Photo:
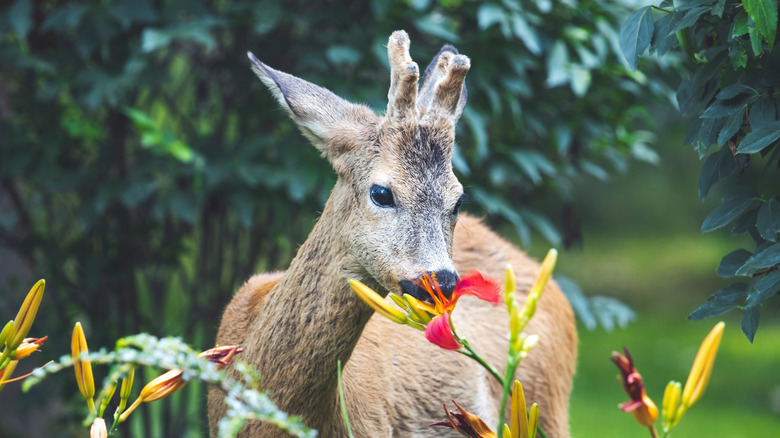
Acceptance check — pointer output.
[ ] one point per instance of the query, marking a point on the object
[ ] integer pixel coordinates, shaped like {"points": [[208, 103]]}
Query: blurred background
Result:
{"points": [[145, 174]]}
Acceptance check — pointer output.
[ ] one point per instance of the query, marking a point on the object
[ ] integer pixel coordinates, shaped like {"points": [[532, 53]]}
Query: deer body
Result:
{"points": [[392, 213]]}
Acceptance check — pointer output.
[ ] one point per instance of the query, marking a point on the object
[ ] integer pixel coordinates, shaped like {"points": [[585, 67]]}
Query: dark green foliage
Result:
{"points": [[145, 172], [730, 92]]}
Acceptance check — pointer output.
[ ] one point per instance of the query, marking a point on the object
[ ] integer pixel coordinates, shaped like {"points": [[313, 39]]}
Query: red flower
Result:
{"points": [[439, 331], [466, 423], [640, 405]]}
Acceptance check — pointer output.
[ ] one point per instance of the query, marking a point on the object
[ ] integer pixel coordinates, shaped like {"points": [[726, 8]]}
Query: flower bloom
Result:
{"points": [[640, 405], [439, 330], [466, 423], [28, 347], [173, 380]]}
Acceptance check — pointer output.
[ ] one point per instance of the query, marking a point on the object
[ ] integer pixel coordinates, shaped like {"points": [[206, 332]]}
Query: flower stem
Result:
{"points": [[472, 354], [653, 432]]}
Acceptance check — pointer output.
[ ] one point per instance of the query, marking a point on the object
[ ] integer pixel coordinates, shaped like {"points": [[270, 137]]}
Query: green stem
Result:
{"points": [[658, 8], [653, 432], [473, 354], [343, 405], [511, 366]]}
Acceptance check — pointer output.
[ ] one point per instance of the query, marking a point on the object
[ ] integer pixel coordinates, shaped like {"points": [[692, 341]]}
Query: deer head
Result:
{"points": [[396, 200]]}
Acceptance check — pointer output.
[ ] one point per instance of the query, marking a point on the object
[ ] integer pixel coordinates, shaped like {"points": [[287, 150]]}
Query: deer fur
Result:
{"points": [[294, 326]]}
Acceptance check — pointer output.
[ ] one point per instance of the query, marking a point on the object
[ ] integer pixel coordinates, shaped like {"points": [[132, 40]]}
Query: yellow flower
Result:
{"points": [[28, 347], [82, 368], [378, 303]]}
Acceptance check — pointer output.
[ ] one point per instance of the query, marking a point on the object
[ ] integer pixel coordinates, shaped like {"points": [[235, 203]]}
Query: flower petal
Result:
{"points": [[476, 284], [439, 331]]}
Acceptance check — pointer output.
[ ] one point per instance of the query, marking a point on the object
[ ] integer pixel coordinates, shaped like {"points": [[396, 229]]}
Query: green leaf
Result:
{"points": [[664, 36], [761, 260], [764, 16], [763, 289], [557, 65], [734, 90], [760, 138], [732, 125], [755, 41], [721, 301], [489, 14], [527, 34], [749, 322], [340, 54], [725, 213], [732, 261], [479, 132], [690, 17], [762, 112], [20, 17], [437, 25], [740, 25], [768, 220], [636, 33], [745, 223]]}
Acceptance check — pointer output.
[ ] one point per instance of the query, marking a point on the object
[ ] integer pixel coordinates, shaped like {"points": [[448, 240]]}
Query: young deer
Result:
{"points": [[392, 215]]}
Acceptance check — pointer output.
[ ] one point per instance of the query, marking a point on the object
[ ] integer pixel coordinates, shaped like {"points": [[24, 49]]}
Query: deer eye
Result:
{"points": [[456, 210], [382, 196]]}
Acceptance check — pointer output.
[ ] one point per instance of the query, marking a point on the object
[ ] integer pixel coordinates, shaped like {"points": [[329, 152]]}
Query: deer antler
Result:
{"points": [[402, 97], [451, 71]]}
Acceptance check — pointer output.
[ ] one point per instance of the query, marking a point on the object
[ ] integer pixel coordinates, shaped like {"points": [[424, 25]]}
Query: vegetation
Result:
{"points": [[729, 93]]}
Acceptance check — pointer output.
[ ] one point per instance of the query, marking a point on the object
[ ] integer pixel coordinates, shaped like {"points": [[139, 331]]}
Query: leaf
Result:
{"points": [[732, 125], [723, 108], [340, 54], [764, 16], [663, 34], [749, 322], [745, 222], [721, 301], [733, 90], [489, 14], [20, 17], [763, 259], [732, 261], [740, 25], [725, 213], [557, 64], [763, 288], [436, 24], [579, 303], [768, 220], [762, 112], [636, 33], [760, 138], [479, 132], [690, 18], [611, 311], [527, 34]]}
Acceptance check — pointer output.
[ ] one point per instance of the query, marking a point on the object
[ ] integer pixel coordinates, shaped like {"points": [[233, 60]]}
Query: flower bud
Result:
{"points": [[378, 303], [24, 319], [98, 429], [82, 368], [670, 405], [28, 347]]}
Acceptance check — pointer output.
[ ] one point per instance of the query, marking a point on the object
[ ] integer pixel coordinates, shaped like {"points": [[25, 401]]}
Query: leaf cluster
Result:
{"points": [[730, 94]]}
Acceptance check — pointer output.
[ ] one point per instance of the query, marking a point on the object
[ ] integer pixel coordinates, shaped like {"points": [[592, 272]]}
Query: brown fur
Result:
{"points": [[295, 326]]}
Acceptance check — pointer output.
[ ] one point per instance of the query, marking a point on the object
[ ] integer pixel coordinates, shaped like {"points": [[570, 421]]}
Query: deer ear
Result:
{"points": [[320, 115], [436, 72]]}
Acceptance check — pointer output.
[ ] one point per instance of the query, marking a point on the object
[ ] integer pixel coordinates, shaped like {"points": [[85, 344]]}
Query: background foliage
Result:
{"points": [[729, 94], [145, 173]]}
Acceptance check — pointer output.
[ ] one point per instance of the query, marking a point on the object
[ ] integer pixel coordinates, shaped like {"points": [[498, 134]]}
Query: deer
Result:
{"points": [[392, 215]]}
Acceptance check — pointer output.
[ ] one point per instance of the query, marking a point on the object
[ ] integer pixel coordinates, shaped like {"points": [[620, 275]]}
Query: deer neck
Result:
{"points": [[310, 320]]}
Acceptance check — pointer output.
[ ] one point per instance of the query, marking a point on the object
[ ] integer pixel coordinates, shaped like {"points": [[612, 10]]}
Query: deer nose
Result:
{"points": [[445, 279]]}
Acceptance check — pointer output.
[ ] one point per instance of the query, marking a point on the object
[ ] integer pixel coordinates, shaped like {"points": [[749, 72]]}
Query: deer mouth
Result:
{"points": [[443, 281]]}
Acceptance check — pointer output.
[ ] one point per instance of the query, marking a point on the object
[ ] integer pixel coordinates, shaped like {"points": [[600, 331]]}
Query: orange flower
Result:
{"points": [[640, 405], [466, 423], [28, 347], [439, 330], [172, 381]]}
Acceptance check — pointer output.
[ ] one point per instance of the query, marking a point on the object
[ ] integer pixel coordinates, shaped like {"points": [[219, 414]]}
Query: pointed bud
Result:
{"points": [[110, 390], [378, 303], [125, 389], [533, 420], [519, 416], [82, 368], [670, 405], [701, 370], [5, 373], [507, 433], [98, 429], [24, 319], [6, 333], [509, 286], [417, 309]]}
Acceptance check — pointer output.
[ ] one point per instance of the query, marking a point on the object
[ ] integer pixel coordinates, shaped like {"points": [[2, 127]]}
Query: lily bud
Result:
{"points": [[24, 319], [110, 390], [378, 303], [670, 404], [519, 416], [6, 333], [509, 286], [415, 306], [98, 429], [82, 368], [124, 390], [701, 370], [533, 420], [5, 373]]}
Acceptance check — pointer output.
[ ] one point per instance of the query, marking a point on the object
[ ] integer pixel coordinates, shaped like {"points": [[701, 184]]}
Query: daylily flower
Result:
{"points": [[466, 423], [701, 370], [82, 368], [640, 405], [28, 347], [173, 380], [439, 330]]}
